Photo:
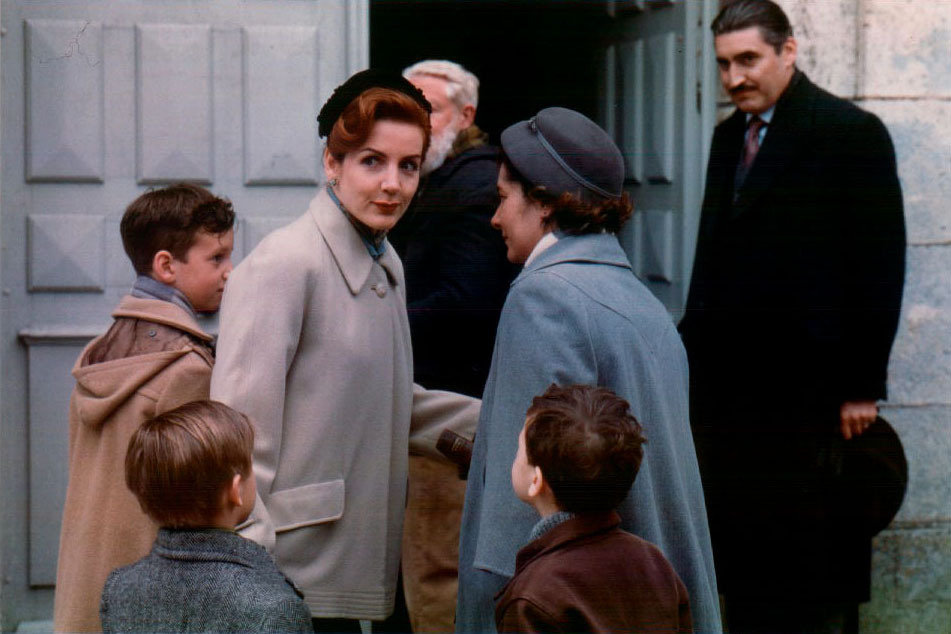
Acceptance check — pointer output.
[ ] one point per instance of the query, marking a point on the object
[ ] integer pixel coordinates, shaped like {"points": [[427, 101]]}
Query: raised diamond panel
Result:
{"points": [[631, 60], [607, 106], [64, 100], [174, 103], [280, 92], [256, 228], [660, 74], [657, 245], [66, 252]]}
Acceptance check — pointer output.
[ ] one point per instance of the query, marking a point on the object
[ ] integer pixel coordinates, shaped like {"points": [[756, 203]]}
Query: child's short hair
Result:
{"points": [[179, 463], [167, 219], [587, 444]]}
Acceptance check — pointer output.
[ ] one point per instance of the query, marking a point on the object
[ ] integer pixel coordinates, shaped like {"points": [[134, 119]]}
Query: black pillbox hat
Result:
{"points": [[356, 84]]}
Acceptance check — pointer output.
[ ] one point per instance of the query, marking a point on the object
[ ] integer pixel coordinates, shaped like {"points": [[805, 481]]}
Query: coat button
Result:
{"points": [[379, 289], [152, 333]]}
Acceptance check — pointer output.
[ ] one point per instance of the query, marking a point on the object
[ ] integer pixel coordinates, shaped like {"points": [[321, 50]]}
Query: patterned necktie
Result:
{"points": [[752, 141]]}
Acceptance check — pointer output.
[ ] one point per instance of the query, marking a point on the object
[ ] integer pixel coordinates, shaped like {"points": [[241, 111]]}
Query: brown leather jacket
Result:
{"points": [[587, 575]]}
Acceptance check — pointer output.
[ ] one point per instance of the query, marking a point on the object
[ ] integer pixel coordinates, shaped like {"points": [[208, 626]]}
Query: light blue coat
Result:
{"points": [[577, 314]]}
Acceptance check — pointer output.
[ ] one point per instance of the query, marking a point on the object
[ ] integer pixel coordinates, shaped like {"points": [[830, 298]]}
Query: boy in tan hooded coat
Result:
{"points": [[154, 357]]}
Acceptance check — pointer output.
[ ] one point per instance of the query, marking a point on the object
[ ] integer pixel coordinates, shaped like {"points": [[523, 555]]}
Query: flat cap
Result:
{"points": [[565, 151]]}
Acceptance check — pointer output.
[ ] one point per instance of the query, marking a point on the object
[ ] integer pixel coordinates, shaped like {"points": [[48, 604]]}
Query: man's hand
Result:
{"points": [[856, 416]]}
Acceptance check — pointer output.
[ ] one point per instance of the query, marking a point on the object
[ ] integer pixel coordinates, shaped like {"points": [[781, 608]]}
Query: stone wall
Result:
{"points": [[893, 57]]}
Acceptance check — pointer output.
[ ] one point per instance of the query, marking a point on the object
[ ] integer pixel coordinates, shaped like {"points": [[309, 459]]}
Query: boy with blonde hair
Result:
{"points": [[190, 469], [154, 357]]}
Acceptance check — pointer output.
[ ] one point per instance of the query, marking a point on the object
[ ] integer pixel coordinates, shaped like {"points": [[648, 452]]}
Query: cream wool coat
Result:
{"points": [[103, 525], [315, 348]]}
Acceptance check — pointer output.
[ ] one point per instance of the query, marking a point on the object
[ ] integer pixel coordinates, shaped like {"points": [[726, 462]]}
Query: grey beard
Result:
{"points": [[439, 148]]}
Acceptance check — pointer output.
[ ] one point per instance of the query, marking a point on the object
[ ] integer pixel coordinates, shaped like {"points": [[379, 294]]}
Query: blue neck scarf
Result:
{"points": [[375, 241], [147, 288], [545, 524]]}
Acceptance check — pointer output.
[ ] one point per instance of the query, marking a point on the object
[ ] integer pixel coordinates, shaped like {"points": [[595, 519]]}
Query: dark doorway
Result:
{"points": [[528, 54]]}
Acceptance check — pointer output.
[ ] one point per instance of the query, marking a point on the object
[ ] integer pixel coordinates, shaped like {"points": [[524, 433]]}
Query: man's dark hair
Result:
{"points": [[766, 15], [587, 444], [168, 219]]}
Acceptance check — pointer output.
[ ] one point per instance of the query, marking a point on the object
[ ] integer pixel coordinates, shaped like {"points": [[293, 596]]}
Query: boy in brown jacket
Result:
{"points": [[578, 454], [154, 357]]}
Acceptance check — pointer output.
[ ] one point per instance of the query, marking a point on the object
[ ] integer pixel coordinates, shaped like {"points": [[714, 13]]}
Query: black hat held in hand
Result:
{"points": [[356, 84]]}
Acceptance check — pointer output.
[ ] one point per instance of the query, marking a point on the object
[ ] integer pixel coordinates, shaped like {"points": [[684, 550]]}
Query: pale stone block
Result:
{"points": [[920, 131], [826, 35], [906, 48], [911, 582], [925, 434], [912, 617], [920, 365], [911, 565]]}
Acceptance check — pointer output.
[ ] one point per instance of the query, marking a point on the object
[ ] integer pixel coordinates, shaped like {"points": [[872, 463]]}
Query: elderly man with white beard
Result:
{"points": [[457, 277]]}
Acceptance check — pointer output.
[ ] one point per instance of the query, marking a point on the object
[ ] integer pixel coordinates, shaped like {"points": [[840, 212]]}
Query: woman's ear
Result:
{"points": [[543, 212], [162, 269], [331, 165]]}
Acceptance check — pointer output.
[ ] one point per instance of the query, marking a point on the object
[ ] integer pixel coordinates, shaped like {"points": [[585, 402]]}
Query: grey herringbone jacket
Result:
{"points": [[202, 580]]}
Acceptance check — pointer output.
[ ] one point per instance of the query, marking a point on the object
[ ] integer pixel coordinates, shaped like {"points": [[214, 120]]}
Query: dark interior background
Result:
{"points": [[527, 54]]}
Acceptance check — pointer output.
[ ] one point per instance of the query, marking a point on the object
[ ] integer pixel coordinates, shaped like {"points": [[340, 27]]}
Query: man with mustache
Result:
{"points": [[457, 277], [792, 309]]}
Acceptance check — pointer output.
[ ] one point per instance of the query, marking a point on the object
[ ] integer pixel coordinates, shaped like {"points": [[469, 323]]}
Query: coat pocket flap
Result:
{"points": [[307, 505]]}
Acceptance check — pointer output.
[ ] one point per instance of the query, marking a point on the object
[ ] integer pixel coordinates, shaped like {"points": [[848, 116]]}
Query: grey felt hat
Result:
{"points": [[565, 151]]}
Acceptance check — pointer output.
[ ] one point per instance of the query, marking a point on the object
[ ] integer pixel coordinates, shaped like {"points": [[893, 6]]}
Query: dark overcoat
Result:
{"points": [[792, 310], [456, 271]]}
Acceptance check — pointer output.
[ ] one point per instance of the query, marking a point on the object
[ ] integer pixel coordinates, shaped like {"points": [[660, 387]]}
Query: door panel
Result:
{"points": [[652, 106], [101, 101], [173, 83], [279, 66], [64, 94]]}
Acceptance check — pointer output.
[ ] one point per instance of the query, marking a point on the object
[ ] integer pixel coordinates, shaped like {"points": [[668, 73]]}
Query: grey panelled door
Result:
{"points": [[655, 105], [101, 100]]}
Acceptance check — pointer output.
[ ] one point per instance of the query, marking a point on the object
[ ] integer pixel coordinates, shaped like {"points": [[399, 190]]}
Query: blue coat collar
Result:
{"points": [[592, 248]]}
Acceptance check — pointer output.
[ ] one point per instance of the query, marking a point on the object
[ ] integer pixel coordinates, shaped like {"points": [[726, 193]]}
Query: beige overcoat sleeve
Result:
{"points": [[436, 410]]}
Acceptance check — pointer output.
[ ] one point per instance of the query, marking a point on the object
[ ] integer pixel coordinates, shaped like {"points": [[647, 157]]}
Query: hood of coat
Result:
{"points": [[101, 388]]}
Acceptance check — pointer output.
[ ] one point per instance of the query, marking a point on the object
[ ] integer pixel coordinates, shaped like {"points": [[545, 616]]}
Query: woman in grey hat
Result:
{"points": [[577, 314]]}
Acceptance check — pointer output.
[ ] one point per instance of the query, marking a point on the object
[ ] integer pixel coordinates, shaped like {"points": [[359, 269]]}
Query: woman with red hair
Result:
{"points": [[315, 348]]}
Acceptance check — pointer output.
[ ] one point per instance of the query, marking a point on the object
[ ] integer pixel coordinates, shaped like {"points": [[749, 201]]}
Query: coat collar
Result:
{"points": [[160, 312], [347, 247], [594, 248], [784, 140], [568, 531], [208, 544]]}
